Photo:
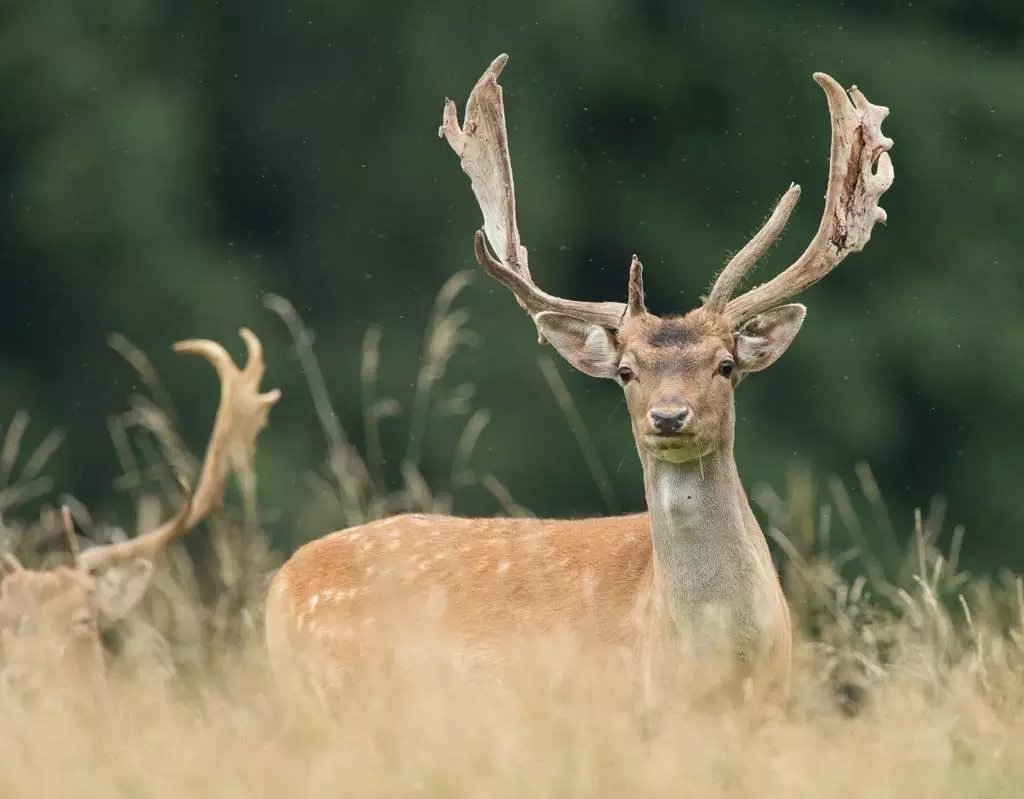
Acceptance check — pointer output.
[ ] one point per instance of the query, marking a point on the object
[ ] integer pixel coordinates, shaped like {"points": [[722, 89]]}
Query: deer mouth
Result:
{"points": [[675, 438], [674, 447], [671, 441]]}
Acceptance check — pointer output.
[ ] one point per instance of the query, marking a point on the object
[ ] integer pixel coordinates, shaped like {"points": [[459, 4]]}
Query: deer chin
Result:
{"points": [[675, 449]]}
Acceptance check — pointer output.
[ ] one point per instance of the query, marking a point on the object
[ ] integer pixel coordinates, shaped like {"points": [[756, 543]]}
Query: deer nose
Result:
{"points": [[669, 419]]}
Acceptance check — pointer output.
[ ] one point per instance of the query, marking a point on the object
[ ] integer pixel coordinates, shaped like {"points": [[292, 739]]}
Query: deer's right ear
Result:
{"points": [[591, 348]]}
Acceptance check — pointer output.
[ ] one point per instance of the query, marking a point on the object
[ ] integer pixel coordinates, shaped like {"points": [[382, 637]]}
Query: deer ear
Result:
{"points": [[590, 348], [120, 587], [761, 341]]}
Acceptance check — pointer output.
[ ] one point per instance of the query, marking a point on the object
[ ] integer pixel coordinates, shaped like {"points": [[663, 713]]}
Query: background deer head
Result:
{"points": [[50, 621]]}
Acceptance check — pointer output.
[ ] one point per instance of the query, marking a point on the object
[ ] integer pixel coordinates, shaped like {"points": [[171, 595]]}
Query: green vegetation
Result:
{"points": [[165, 167]]}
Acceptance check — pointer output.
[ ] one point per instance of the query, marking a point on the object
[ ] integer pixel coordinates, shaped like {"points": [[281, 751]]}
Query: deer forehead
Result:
{"points": [[676, 344]]}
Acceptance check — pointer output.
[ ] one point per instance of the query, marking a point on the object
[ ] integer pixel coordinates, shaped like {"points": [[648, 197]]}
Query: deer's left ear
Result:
{"points": [[761, 341]]}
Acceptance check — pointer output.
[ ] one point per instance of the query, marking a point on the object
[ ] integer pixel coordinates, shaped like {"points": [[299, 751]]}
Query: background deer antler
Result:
{"points": [[241, 415]]}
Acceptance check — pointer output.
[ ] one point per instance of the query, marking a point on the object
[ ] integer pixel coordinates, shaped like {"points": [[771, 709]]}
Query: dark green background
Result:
{"points": [[164, 164]]}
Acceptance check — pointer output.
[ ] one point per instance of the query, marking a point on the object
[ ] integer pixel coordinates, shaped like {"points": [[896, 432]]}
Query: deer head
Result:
{"points": [[50, 621], [679, 373]]}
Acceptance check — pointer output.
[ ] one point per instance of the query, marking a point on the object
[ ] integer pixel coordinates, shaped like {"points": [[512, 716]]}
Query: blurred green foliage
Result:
{"points": [[164, 164]]}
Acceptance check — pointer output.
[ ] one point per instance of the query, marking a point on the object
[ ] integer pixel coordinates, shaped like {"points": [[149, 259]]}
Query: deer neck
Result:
{"points": [[702, 531]]}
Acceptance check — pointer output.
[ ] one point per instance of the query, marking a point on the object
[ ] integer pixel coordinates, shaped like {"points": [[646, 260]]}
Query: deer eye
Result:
{"points": [[726, 368], [625, 374]]}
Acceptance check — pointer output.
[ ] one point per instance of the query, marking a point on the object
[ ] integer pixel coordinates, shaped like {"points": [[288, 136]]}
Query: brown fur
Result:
{"points": [[669, 375], [342, 599]]}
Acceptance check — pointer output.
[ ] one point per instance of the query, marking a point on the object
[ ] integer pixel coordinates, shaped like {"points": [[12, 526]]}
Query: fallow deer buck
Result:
{"points": [[50, 621], [692, 579]]}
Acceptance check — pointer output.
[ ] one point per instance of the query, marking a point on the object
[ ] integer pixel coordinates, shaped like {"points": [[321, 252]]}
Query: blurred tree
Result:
{"points": [[165, 165]]}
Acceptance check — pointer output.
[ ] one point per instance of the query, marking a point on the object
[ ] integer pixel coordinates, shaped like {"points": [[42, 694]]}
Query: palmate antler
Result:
{"points": [[482, 145], [860, 171]]}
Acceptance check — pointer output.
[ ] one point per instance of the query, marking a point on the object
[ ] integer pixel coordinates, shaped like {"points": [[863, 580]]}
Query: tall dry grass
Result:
{"points": [[908, 670]]}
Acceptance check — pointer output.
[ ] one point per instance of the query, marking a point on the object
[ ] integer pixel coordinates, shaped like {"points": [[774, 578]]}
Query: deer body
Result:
{"points": [[697, 558], [328, 603], [603, 578], [691, 584]]}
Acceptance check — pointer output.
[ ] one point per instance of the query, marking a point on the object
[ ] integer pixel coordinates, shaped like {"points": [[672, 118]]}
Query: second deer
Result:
{"points": [[689, 582], [50, 621]]}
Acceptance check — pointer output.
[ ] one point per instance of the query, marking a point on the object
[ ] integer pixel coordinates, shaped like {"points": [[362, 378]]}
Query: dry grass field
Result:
{"points": [[909, 678], [939, 721]]}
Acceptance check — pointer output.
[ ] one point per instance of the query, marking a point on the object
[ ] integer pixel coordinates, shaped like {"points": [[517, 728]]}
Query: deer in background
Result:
{"points": [[50, 621], [691, 580]]}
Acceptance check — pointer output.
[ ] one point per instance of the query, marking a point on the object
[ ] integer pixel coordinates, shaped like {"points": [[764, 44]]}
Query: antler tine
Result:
{"points": [[860, 171], [635, 305], [482, 146], [241, 414], [745, 260], [254, 366], [68, 524]]}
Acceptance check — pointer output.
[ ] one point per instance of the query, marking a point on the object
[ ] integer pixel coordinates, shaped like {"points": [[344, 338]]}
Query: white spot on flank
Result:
{"points": [[313, 602], [589, 584], [503, 566]]}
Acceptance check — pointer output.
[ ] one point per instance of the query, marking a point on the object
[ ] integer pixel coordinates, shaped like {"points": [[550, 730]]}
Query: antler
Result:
{"points": [[68, 524], [860, 171], [241, 415], [482, 145]]}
